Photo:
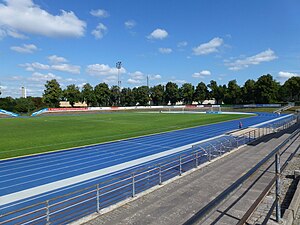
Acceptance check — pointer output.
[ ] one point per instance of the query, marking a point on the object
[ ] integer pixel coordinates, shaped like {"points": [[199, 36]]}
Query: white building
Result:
{"points": [[24, 94]]}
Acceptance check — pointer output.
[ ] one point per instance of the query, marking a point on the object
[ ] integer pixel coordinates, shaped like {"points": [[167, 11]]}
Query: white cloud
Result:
{"points": [[179, 81], [137, 75], [54, 59], [3, 88], [35, 65], [209, 47], [155, 77], [99, 13], [182, 44], [165, 50], [287, 75], [66, 68], [202, 74], [133, 81], [129, 24], [265, 56], [103, 70], [59, 67], [158, 34], [99, 31], [40, 77], [15, 34], [24, 48], [111, 80], [27, 17]]}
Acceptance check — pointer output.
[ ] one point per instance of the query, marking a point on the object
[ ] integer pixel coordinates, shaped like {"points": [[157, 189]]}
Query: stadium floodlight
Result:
{"points": [[119, 66]]}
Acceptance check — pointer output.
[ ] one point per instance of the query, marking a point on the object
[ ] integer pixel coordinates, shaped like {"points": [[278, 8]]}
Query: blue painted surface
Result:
{"points": [[8, 113], [28, 172]]}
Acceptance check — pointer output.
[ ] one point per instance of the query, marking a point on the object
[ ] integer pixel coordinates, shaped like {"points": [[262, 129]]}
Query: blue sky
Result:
{"points": [[181, 41]]}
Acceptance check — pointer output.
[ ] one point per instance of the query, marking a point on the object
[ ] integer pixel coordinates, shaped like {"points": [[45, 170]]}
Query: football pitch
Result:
{"points": [[25, 136]]}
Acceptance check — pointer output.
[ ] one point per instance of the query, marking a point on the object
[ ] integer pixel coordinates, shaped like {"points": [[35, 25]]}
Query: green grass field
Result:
{"points": [[24, 136]]}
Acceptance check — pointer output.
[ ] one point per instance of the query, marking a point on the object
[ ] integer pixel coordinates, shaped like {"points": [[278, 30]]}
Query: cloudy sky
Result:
{"points": [[180, 41]]}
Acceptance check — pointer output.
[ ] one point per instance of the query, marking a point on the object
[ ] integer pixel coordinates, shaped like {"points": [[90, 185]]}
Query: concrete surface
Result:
{"points": [[176, 202]]}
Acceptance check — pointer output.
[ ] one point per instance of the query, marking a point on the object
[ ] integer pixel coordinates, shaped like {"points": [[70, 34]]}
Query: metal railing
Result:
{"points": [[77, 204], [204, 213], [275, 181]]}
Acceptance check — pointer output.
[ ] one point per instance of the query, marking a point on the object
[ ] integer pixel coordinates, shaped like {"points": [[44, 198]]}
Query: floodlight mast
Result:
{"points": [[119, 66]]}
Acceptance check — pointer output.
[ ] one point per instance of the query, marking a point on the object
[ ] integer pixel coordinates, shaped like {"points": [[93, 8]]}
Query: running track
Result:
{"points": [[30, 172]]}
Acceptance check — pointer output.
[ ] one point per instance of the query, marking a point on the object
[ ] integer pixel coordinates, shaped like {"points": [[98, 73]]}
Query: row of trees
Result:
{"points": [[265, 90]]}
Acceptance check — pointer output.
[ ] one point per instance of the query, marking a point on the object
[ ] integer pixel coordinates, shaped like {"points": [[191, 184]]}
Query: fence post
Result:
{"points": [[196, 155], [160, 180], [133, 185], [249, 137], [180, 166], [98, 198], [277, 169], [47, 213]]}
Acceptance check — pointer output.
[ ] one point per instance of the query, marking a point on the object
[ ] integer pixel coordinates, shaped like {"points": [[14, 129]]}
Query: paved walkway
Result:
{"points": [[176, 202]]}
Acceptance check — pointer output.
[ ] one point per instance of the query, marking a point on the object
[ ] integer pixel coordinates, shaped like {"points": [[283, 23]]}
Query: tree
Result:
{"points": [[141, 95], [115, 95], [157, 94], [201, 93], [291, 89], [248, 91], [187, 93], [171, 93], [72, 94], [24, 105], [266, 89], [52, 93], [102, 94], [217, 92], [233, 93], [88, 94], [127, 98], [8, 104]]}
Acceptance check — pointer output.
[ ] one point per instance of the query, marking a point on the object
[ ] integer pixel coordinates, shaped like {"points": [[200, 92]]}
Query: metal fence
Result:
{"points": [[77, 204]]}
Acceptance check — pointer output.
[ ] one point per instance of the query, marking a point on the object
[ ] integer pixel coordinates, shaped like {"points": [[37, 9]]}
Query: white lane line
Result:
{"points": [[17, 196], [102, 149], [270, 121]]}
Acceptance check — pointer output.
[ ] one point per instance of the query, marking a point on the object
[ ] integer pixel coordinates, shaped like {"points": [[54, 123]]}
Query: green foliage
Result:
{"points": [[217, 92], [24, 105], [52, 93], [115, 95], [127, 98], [187, 93], [88, 95], [171, 93], [72, 94], [291, 89], [102, 94], [8, 104], [248, 92], [233, 93], [157, 94], [266, 90], [141, 95], [201, 93]]}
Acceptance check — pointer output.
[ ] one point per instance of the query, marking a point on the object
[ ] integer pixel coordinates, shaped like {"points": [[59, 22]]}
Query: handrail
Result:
{"points": [[210, 206], [124, 186]]}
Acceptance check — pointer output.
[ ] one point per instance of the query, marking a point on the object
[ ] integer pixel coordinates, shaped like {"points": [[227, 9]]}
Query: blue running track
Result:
{"points": [[33, 171]]}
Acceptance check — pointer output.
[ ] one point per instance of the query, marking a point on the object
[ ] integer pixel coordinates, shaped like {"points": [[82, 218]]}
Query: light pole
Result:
{"points": [[119, 66]]}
